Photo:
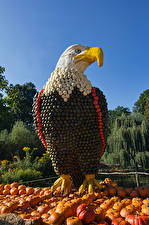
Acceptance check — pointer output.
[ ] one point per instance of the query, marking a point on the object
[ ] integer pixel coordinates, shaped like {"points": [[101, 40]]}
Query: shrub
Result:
{"points": [[44, 164], [20, 175], [12, 143], [6, 146], [22, 136]]}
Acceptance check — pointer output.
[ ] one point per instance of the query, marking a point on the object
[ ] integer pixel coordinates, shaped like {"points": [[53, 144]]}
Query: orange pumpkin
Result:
{"points": [[7, 187], [29, 190], [37, 190], [23, 204], [1, 190], [45, 216], [13, 191], [146, 201], [25, 216], [35, 213], [43, 209], [125, 212], [118, 205], [6, 209], [22, 191], [110, 215], [145, 210], [99, 214], [73, 220], [14, 185], [126, 201], [12, 205], [106, 204], [56, 218], [20, 187], [6, 191]]}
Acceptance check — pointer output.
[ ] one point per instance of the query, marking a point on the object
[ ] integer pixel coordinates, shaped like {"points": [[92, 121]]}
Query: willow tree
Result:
{"points": [[129, 136], [142, 158], [146, 113]]}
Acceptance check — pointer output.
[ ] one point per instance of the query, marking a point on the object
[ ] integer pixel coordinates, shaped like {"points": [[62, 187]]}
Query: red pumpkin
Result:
{"points": [[85, 213], [137, 220], [117, 221]]}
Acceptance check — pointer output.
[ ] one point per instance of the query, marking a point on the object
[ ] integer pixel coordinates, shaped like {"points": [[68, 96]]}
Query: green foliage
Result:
{"points": [[6, 147], [139, 106], [128, 137], [42, 164], [142, 158], [12, 143], [118, 111], [124, 158], [21, 135], [3, 81], [45, 165], [25, 163], [5, 115], [146, 113], [20, 169], [19, 99], [20, 175]]}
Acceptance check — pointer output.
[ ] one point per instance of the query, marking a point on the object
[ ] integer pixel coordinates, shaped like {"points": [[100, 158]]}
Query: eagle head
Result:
{"points": [[69, 72], [80, 57]]}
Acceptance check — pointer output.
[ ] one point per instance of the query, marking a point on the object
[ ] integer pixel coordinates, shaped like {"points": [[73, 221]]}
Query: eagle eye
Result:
{"points": [[77, 51]]}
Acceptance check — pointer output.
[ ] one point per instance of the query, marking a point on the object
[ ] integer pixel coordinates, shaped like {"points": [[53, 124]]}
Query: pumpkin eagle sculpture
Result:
{"points": [[71, 117]]}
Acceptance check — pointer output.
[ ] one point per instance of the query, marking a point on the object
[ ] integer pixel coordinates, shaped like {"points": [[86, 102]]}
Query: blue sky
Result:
{"points": [[34, 33]]}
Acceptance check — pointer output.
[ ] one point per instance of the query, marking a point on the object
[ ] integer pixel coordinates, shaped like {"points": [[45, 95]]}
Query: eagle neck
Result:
{"points": [[64, 80]]}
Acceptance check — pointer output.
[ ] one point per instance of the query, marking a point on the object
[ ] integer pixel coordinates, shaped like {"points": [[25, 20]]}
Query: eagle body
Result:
{"points": [[71, 120]]}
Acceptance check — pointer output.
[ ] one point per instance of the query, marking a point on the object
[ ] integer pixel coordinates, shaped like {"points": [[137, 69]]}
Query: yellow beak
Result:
{"points": [[90, 55]]}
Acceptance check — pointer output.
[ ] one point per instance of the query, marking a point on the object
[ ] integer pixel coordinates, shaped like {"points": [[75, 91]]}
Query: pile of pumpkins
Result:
{"points": [[112, 205]]}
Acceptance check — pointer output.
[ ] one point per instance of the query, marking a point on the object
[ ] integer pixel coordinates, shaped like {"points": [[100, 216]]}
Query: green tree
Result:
{"points": [[118, 111], [129, 136], [19, 99], [6, 147], [3, 81], [12, 143], [21, 136], [139, 105], [142, 158], [146, 113], [5, 115]]}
